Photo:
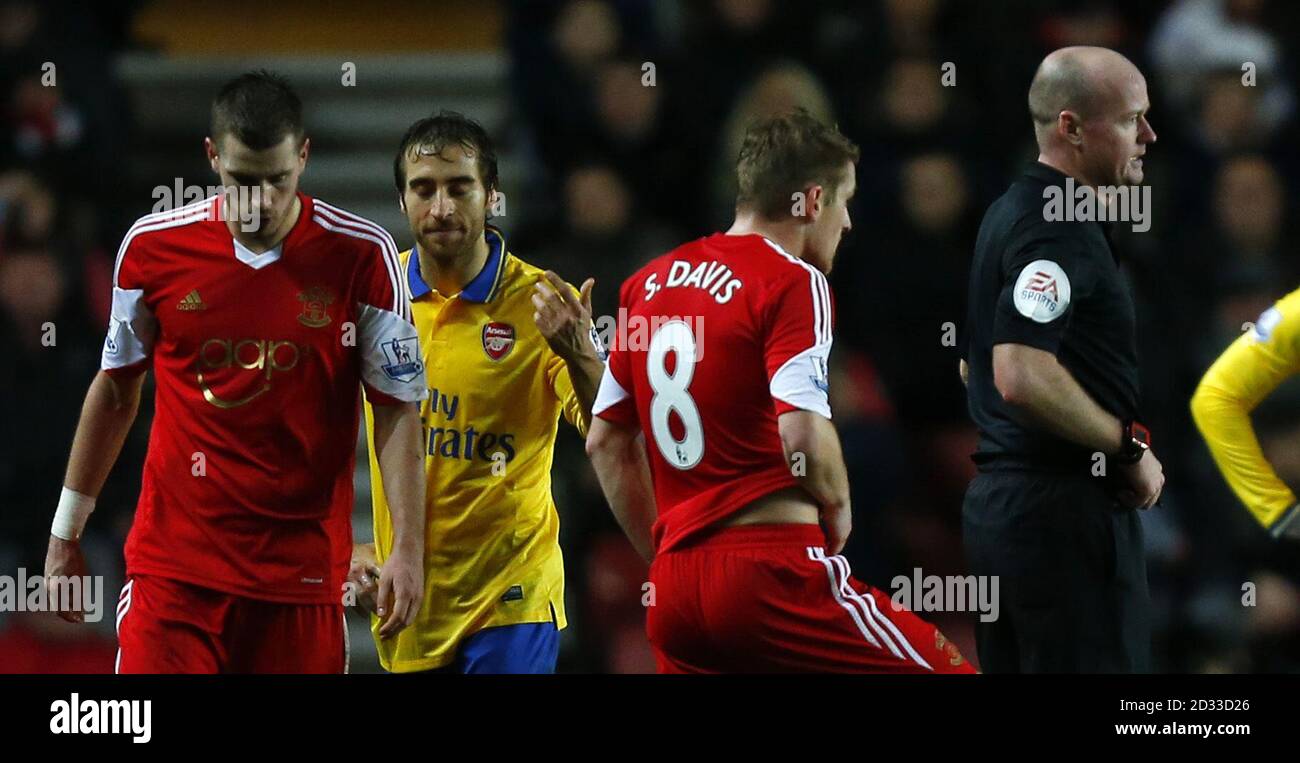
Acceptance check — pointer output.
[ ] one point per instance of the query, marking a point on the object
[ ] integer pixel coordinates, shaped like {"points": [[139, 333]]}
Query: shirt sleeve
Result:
{"points": [[614, 400], [392, 367], [132, 326], [1251, 368], [1042, 280], [797, 342], [557, 376]]}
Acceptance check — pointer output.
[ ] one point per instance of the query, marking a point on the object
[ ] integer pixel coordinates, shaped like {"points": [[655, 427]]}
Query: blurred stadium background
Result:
{"points": [[601, 173]]}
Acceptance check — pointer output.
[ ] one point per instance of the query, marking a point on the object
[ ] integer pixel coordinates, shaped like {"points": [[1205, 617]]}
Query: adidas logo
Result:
{"points": [[192, 301]]}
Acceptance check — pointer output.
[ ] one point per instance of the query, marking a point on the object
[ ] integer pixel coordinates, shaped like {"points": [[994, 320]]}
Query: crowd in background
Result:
{"points": [[63, 139], [626, 116]]}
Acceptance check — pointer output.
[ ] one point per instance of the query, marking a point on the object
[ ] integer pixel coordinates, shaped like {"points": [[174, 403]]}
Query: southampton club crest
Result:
{"points": [[498, 338], [402, 365], [315, 306]]}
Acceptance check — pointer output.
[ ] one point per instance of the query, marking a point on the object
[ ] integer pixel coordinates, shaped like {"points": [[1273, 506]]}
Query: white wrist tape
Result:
{"points": [[70, 518]]}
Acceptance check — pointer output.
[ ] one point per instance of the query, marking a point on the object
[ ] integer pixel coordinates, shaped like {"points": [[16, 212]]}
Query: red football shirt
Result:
{"points": [[715, 340], [258, 359]]}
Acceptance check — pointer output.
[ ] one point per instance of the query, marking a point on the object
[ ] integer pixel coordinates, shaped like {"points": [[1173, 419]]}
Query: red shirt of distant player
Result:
{"points": [[720, 337], [258, 358]]}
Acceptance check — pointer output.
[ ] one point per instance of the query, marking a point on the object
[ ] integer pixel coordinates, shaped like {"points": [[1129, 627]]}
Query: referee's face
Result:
{"points": [[1116, 138]]}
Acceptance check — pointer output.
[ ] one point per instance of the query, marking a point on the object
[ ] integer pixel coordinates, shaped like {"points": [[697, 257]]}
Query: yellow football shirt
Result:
{"points": [[497, 390], [1251, 368]]}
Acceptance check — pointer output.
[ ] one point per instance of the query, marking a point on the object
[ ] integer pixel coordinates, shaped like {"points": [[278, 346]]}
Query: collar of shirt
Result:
{"points": [[482, 287], [257, 261], [1046, 173], [1049, 175]]}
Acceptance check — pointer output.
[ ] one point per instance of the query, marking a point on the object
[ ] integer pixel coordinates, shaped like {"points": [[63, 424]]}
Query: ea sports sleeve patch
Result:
{"points": [[1042, 283], [1042, 291]]}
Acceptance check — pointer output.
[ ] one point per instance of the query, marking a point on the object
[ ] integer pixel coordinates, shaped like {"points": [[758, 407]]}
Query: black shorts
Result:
{"points": [[1072, 575]]}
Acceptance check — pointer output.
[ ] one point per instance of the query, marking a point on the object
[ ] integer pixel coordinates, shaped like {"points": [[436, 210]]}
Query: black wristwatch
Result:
{"points": [[1135, 442]]}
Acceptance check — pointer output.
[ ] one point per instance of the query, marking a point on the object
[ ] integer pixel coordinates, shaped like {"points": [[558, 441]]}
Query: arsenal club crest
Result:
{"points": [[498, 338]]}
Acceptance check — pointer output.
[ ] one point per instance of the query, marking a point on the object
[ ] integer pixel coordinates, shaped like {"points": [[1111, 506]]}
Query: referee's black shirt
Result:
{"points": [[1056, 286]]}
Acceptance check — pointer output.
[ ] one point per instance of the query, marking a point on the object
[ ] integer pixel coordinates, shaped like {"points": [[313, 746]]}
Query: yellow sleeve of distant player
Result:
{"points": [[1251, 368]]}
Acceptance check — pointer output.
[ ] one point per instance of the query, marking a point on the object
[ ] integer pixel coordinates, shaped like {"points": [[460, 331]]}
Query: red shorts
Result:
{"points": [[166, 626], [767, 598]]}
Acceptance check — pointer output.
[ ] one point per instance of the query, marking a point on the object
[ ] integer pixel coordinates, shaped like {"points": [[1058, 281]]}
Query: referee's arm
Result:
{"points": [[1041, 277], [1034, 384]]}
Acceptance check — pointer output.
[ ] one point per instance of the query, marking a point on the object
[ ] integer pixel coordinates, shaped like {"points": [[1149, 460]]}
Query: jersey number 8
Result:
{"points": [[671, 394]]}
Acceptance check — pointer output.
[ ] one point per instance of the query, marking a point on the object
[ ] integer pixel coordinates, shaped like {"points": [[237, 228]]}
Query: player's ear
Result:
{"points": [[815, 194], [303, 152], [489, 203], [401, 202], [210, 149]]}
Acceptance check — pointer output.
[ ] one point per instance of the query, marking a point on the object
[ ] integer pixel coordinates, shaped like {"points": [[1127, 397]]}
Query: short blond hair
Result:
{"points": [[783, 155]]}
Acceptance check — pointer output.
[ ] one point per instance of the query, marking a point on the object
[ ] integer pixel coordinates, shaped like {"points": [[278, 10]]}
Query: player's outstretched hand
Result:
{"points": [[565, 322], [401, 590], [64, 559], [838, 522], [1146, 479], [363, 577]]}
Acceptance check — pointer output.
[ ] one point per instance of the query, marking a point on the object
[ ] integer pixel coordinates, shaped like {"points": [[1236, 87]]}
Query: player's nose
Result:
{"points": [[441, 206], [266, 196], [1148, 132]]}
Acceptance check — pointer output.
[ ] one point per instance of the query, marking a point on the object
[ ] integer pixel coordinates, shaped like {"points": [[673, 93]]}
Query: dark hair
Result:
{"points": [[785, 154], [259, 108], [436, 132]]}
